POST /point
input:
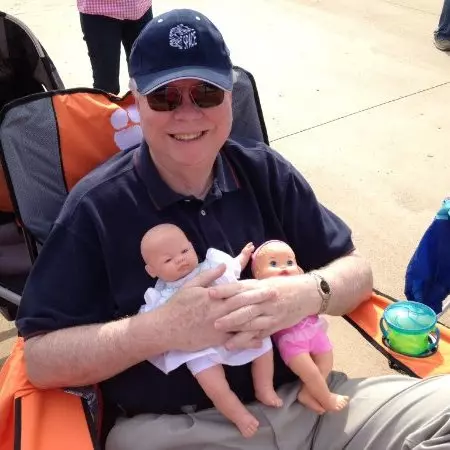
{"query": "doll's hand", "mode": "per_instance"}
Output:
(290, 300)
(245, 255)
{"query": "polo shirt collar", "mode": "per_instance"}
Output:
(162, 196)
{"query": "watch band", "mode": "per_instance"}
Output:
(324, 290)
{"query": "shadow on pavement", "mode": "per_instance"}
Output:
(7, 334)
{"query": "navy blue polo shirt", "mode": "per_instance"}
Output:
(90, 269)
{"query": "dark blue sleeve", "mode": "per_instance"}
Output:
(428, 272)
(317, 235)
(67, 286)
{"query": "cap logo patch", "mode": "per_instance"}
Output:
(182, 37)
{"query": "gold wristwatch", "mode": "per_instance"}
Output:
(324, 290)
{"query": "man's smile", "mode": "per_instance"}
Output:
(188, 137)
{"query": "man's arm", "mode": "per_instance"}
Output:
(84, 355)
(89, 354)
(351, 281)
(296, 297)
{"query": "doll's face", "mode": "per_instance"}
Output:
(275, 259)
(168, 254)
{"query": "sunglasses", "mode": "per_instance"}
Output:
(168, 98)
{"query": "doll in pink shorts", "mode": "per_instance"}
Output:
(304, 347)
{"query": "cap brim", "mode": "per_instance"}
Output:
(148, 83)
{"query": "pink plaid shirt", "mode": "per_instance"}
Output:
(117, 9)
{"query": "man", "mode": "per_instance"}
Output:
(106, 25)
(442, 34)
(78, 309)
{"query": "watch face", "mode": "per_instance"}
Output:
(325, 287)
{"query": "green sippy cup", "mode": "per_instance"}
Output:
(410, 329)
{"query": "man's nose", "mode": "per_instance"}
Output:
(188, 109)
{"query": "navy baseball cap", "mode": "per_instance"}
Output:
(176, 45)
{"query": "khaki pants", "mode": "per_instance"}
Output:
(385, 413)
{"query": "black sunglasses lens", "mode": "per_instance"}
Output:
(164, 99)
(168, 98)
(206, 95)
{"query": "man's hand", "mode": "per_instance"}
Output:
(191, 314)
(261, 307)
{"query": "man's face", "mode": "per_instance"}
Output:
(275, 259)
(188, 136)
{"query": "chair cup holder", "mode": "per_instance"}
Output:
(433, 342)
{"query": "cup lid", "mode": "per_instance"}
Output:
(410, 317)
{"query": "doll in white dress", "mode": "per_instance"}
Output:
(170, 257)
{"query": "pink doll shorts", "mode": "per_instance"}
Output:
(308, 336)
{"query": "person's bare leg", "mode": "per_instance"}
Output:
(216, 387)
(262, 372)
(315, 384)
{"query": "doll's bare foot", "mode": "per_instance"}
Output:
(269, 397)
(336, 402)
(248, 425)
(305, 398)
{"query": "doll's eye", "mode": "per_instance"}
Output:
(290, 262)
(167, 260)
(273, 264)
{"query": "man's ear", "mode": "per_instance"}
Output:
(136, 102)
(150, 270)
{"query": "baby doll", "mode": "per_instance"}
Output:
(304, 347)
(170, 257)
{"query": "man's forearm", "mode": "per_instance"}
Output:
(351, 281)
(89, 354)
